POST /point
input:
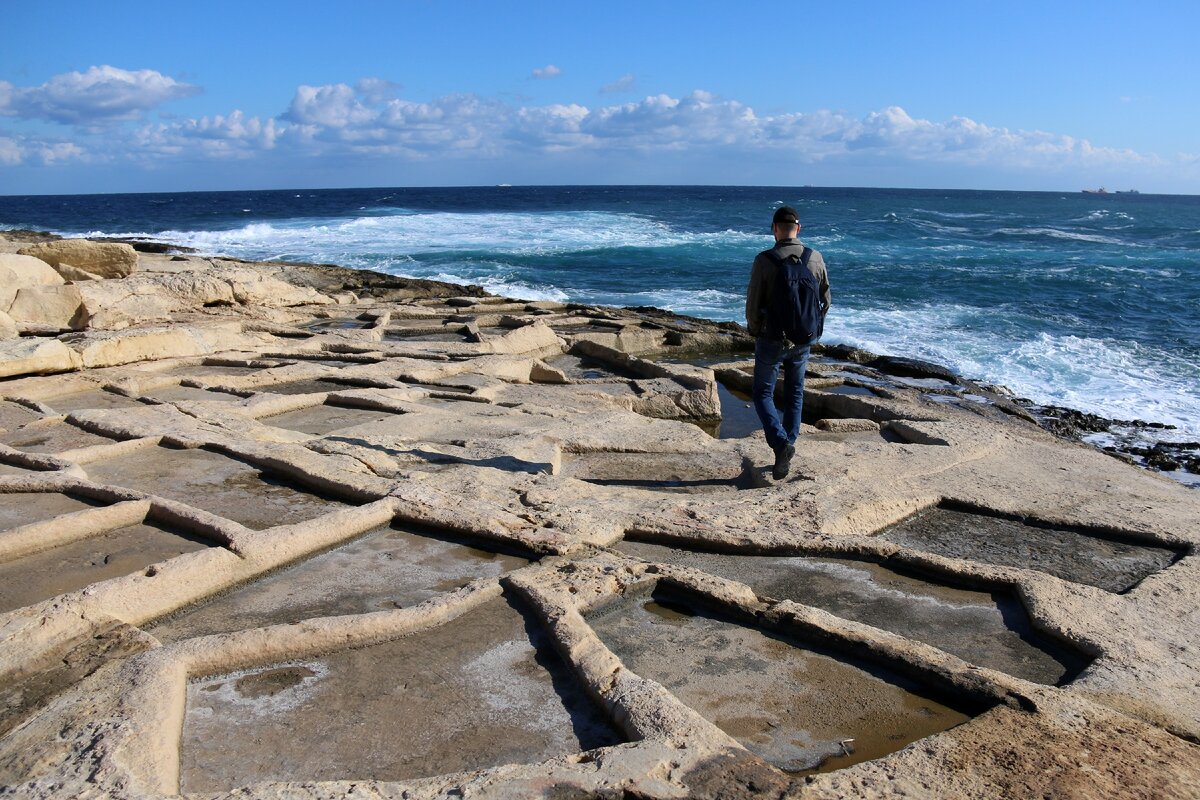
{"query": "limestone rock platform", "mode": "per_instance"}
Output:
(294, 531)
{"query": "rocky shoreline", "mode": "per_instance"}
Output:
(291, 530)
(1119, 438)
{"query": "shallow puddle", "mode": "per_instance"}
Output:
(124, 551)
(307, 386)
(337, 324)
(52, 437)
(435, 387)
(796, 708)
(390, 567)
(582, 368)
(1069, 554)
(323, 419)
(738, 417)
(223, 486)
(989, 629)
(23, 508)
(423, 335)
(482, 690)
(176, 394)
(851, 390)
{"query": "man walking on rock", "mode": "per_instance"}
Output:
(786, 304)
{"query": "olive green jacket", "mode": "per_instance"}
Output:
(762, 279)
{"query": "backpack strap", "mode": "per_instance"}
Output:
(780, 260)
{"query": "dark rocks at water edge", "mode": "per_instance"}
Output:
(1120, 437)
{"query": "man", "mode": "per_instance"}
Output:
(786, 304)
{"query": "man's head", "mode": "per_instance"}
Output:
(785, 224)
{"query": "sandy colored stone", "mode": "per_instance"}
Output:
(100, 259)
(51, 306)
(106, 350)
(18, 271)
(252, 287)
(8, 328)
(152, 297)
(36, 356)
(847, 425)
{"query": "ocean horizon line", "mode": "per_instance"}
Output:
(1121, 193)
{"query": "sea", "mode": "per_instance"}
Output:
(1086, 301)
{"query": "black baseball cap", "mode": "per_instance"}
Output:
(785, 215)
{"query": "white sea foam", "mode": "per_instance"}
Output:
(506, 287)
(1055, 233)
(959, 214)
(1104, 213)
(403, 232)
(1120, 380)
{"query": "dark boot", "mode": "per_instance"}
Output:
(783, 461)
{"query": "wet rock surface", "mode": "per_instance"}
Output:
(387, 568)
(215, 483)
(1073, 555)
(79, 564)
(499, 696)
(796, 708)
(986, 628)
(286, 530)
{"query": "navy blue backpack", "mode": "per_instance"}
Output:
(794, 310)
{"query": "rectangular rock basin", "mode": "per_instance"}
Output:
(306, 386)
(212, 373)
(14, 415)
(215, 483)
(47, 574)
(584, 368)
(389, 567)
(93, 398)
(991, 629)
(663, 472)
(482, 690)
(324, 419)
(1071, 554)
(23, 508)
(52, 438)
(797, 708)
(174, 394)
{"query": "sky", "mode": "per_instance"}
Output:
(1051, 95)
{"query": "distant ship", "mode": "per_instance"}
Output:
(1127, 191)
(1101, 190)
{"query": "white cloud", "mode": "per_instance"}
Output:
(365, 120)
(10, 152)
(333, 106)
(100, 95)
(621, 84)
(548, 71)
(231, 135)
(369, 120)
(377, 90)
(15, 151)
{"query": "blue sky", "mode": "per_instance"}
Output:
(135, 96)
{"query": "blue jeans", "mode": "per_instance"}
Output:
(768, 356)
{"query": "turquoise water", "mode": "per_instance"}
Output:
(1078, 300)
